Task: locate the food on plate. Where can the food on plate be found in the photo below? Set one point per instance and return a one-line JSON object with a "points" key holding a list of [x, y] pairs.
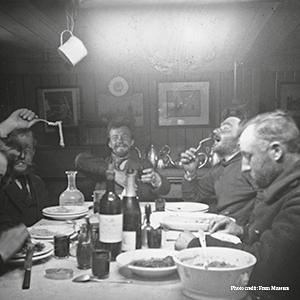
{"points": [[42, 232], [38, 248], [198, 261], [61, 209], [154, 262]]}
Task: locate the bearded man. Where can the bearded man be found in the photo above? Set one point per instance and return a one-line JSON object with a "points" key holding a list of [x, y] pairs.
{"points": [[150, 185], [270, 147], [224, 187]]}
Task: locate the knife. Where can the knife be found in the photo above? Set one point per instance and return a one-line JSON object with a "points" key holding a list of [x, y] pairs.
{"points": [[28, 265]]}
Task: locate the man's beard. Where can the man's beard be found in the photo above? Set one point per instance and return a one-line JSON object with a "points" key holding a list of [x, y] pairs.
{"points": [[225, 148], [29, 169], [267, 173], [122, 153]]}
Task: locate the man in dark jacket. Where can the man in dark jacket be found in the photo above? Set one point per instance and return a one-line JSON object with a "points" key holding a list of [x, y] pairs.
{"points": [[123, 156], [270, 147], [12, 234], [24, 195], [224, 187]]}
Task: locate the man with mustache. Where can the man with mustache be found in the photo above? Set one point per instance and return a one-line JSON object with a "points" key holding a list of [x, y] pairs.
{"points": [[224, 187], [12, 234], [270, 147], [24, 195], [123, 156]]}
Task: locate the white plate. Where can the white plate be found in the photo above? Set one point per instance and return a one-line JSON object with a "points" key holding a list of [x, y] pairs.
{"points": [[19, 261], [65, 210], [226, 237], [65, 217], [186, 207], [189, 221], [49, 231], [48, 248], [124, 259]]}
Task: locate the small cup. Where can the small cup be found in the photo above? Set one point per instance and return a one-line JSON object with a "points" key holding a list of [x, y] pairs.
{"points": [[72, 50], [154, 238], [100, 263], [160, 204], [61, 246]]}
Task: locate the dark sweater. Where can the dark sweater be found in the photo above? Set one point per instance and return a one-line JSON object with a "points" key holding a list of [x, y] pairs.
{"points": [[273, 236], [225, 188]]}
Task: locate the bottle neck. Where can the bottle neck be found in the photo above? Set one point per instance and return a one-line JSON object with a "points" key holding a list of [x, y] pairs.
{"points": [[130, 187], [72, 180], [110, 185]]}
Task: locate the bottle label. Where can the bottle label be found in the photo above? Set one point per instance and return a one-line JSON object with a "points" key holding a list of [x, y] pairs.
{"points": [[110, 228], [129, 240]]}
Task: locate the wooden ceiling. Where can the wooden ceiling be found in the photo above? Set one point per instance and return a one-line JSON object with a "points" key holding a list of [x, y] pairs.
{"points": [[30, 29]]}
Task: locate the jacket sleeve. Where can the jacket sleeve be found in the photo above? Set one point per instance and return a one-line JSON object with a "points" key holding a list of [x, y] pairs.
{"points": [[199, 190], [277, 248], [90, 165]]}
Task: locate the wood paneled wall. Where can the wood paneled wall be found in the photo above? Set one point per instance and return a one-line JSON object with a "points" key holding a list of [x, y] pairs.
{"points": [[19, 90], [270, 87]]}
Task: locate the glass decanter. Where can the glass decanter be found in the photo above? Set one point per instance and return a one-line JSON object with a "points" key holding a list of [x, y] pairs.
{"points": [[71, 196]]}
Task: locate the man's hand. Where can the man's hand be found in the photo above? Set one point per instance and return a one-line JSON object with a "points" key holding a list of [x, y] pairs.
{"points": [[20, 118], [183, 240], [152, 177], [189, 160], [226, 225], [11, 240]]}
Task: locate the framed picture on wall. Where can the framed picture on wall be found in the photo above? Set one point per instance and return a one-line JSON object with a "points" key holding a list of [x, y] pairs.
{"points": [[183, 103], [290, 98], [59, 104]]}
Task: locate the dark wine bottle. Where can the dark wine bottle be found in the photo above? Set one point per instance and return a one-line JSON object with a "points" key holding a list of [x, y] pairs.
{"points": [[110, 217], [131, 216]]}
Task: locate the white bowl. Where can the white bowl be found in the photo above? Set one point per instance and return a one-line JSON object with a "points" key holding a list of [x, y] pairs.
{"points": [[124, 259], [215, 283]]}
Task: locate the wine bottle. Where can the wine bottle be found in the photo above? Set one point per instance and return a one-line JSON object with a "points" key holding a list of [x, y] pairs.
{"points": [[110, 217], [131, 216]]}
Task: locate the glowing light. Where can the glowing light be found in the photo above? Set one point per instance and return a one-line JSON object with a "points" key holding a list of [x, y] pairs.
{"points": [[165, 39]]}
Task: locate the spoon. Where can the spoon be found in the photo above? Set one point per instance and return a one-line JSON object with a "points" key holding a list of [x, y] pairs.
{"points": [[202, 240], [87, 277]]}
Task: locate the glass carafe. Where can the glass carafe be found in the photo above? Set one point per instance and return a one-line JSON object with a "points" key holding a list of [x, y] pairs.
{"points": [[71, 196]]}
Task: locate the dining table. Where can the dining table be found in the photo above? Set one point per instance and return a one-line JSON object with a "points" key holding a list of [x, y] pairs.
{"points": [[42, 287]]}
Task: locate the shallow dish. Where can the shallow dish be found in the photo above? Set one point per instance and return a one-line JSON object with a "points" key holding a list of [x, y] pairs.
{"points": [[47, 232], [37, 255], [65, 217], [124, 260], [19, 261], [214, 282], [189, 221], [226, 237], [65, 210], [186, 207]]}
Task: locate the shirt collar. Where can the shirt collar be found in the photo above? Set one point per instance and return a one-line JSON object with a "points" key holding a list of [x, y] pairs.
{"points": [[226, 161]]}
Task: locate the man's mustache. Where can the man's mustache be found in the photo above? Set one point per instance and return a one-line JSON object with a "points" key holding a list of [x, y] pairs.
{"points": [[28, 164]]}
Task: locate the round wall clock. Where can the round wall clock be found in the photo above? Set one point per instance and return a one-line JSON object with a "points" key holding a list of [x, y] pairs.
{"points": [[118, 86]]}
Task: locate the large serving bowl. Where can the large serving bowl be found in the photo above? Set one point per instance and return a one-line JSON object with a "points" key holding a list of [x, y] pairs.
{"points": [[214, 282]]}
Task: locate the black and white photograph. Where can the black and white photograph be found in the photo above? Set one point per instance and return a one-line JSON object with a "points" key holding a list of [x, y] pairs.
{"points": [[150, 149]]}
